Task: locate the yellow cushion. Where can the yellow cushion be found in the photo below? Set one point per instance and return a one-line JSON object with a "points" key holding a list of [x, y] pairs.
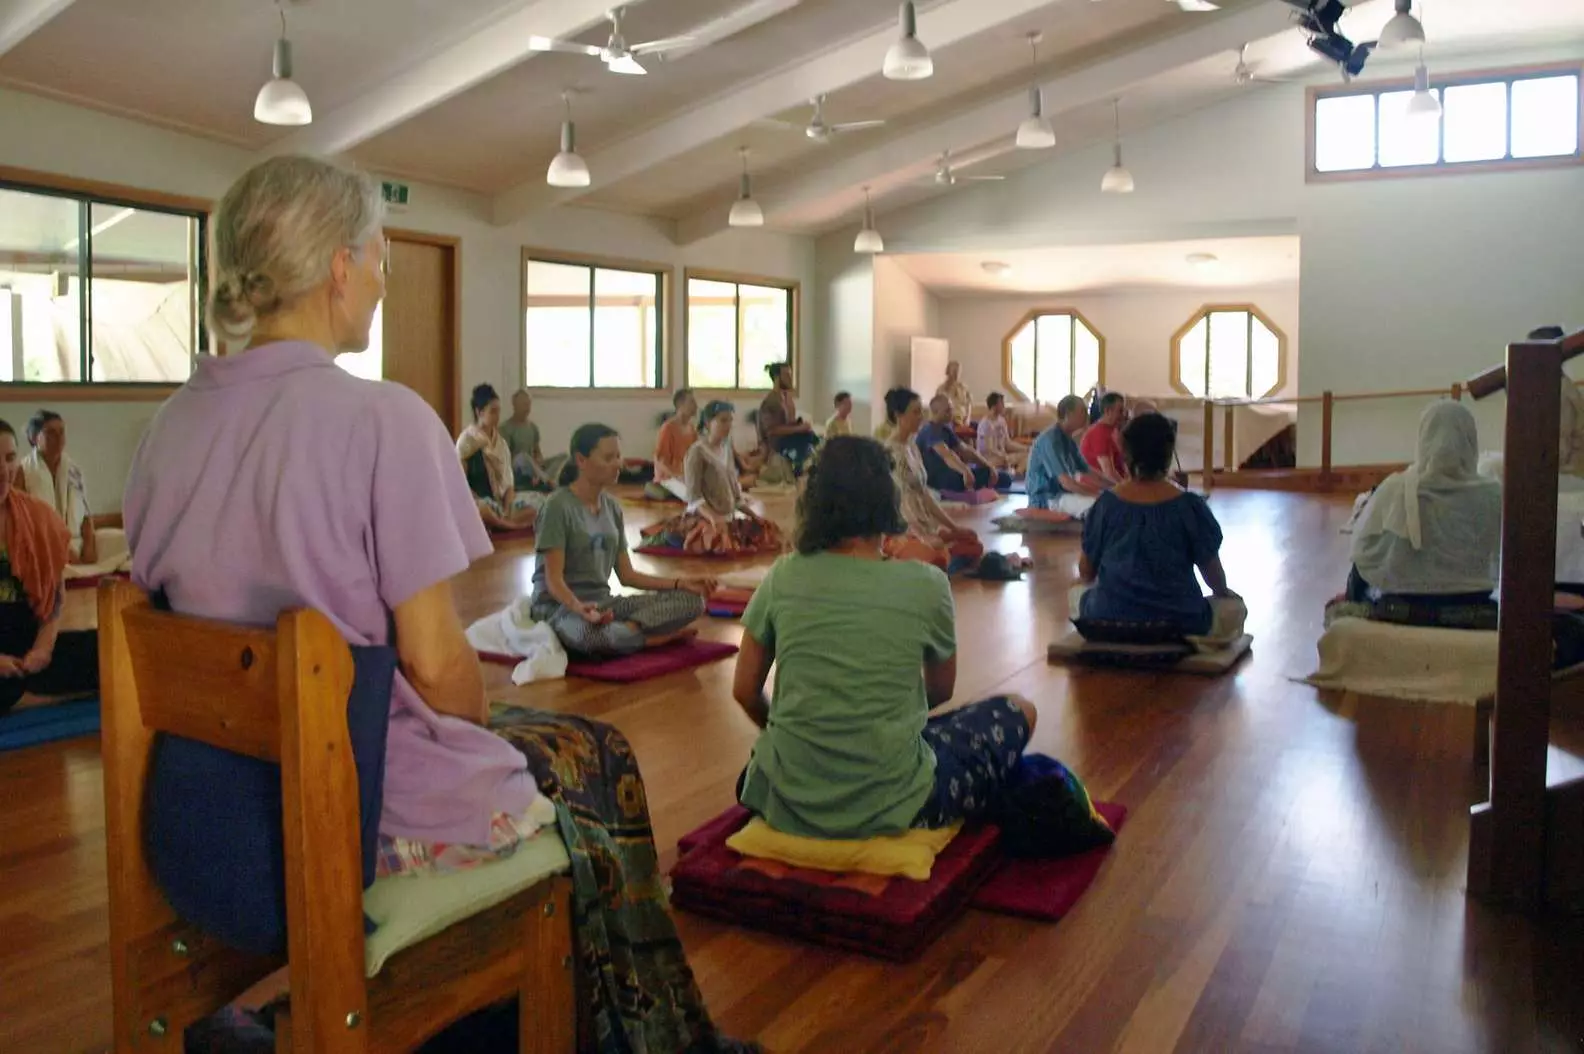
{"points": [[911, 854], [409, 909]]}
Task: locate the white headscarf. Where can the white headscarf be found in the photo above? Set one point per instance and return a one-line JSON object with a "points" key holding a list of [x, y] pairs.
{"points": [[1434, 527]]}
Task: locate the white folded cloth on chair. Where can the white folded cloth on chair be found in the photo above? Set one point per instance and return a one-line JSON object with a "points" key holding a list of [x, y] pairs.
{"points": [[113, 555], [1407, 662], [513, 631]]}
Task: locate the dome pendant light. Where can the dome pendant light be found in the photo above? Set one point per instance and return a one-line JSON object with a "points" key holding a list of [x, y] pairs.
{"points": [[1403, 29], [567, 169], [282, 101], [1423, 104], [1118, 180], [745, 211], [868, 240], [1035, 133], [908, 59]]}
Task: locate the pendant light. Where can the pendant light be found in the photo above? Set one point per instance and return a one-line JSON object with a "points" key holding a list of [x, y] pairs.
{"points": [[908, 59], [1403, 29], [868, 240], [745, 211], [567, 169], [1424, 103], [1118, 180], [282, 101], [1035, 133]]}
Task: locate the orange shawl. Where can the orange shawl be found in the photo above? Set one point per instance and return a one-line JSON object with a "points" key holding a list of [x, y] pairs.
{"points": [[39, 547]]}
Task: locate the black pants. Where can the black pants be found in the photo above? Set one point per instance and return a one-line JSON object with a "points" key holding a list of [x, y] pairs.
{"points": [[1360, 591], [73, 670], [943, 478]]}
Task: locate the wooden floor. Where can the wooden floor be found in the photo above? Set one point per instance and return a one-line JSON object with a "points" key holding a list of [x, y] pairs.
{"points": [[1291, 877]]}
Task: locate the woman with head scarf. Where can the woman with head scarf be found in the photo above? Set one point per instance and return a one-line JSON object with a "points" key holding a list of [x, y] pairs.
{"points": [[1432, 531]]}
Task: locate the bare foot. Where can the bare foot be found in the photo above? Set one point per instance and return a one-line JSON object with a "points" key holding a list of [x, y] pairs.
{"points": [[671, 638]]}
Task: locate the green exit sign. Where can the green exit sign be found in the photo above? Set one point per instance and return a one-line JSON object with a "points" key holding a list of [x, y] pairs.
{"points": [[395, 193]]}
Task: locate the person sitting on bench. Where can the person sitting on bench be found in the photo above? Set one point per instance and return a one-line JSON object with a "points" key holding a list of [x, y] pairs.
{"points": [[949, 463], [1143, 539], [487, 460], [863, 648], [582, 539], [1430, 534], [1058, 475]]}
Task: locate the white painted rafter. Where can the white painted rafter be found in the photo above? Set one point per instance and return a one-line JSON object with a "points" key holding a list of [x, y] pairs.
{"points": [[856, 60], [491, 49], [20, 19], [989, 125]]}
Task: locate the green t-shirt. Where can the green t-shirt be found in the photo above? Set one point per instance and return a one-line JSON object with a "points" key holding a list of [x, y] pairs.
{"points": [[591, 543], [520, 438], [844, 755]]}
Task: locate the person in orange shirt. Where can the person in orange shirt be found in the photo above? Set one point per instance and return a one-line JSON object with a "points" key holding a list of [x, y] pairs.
{"points": [[677, 436]]}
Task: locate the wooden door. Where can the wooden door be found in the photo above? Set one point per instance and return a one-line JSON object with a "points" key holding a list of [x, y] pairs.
{"points": [[420, 326]]}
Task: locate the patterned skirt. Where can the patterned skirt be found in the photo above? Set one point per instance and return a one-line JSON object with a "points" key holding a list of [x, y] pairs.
{"points": [[743, 535]]}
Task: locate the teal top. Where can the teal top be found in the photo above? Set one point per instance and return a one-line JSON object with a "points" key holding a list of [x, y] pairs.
{"points": [[844, 754]]}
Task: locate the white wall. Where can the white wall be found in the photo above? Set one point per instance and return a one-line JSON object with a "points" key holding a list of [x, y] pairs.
{"points": [[847, 304], [1405, 283], [903, 309], [1137, 324], [52, 137]]}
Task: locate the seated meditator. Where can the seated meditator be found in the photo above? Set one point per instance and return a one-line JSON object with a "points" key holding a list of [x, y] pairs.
{"points": [[35, 655], [1058, 476], [961, 398], [582, 539], [314, 489], [533, 471], [863, 649], [887, 426], [1570, 424], [949, 463], [840, 422], [1102, 443], [1430, 534], [718, 519], [487, 460], [781, 430], [931, 535], [1143, 539], [678, 433], [49, 474], [995, 442]]}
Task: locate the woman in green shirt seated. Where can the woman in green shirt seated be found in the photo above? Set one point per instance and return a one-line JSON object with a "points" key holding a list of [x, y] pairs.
{"points": [[863, 648]]}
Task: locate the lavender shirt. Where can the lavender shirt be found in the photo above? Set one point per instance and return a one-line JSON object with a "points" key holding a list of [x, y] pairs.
{"points": [[275, 480]]}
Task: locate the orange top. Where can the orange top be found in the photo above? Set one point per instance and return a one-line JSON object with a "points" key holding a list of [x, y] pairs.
{"points": [[37, 543], [676, 439]]}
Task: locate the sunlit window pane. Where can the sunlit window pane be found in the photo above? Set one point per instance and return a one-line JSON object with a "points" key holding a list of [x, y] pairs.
{"points": [[1193, 357], [624, 330], [1476, 122], [142, 291], [1264, 360], [1345, 133], [766, 328], [369, 363], [1229, 354], [1086, 357], [735, 331], [592, 326], [1405, 138], [1021, 355], [557, 325], [1545, 117], [1053, 357]]}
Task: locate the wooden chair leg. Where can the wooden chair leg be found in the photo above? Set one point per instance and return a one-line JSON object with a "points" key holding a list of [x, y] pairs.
{"points": [[547, 1000]]}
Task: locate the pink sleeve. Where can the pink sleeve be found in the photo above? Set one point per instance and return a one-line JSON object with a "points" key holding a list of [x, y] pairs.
{"points": [[425, 522]]}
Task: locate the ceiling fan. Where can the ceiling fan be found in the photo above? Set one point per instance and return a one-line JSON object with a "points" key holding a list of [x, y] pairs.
{"points": [[618, 55], [819, 129], [946, 176], [1247, 72]]}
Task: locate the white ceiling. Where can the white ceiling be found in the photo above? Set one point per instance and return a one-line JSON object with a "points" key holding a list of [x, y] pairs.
{"points": [[1240, 263], [446, 91]]}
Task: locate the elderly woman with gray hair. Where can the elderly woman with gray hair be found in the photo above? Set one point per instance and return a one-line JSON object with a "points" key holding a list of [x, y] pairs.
{"points": [[718, 520]]}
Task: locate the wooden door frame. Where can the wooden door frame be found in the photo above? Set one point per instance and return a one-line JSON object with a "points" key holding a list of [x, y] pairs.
{"points": [[452, 243]]}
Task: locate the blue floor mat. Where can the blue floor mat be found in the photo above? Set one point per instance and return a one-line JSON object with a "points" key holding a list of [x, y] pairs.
{"points": [[46, 724]]}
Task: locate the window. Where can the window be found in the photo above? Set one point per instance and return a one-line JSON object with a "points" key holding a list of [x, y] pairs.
{"points": [[98, 290], [1052, 354], [590, 325], [370, 362], [1519, 119], [737, 328], [1229, 353]]}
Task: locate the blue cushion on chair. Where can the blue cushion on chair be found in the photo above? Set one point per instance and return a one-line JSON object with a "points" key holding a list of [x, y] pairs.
{"points": [[213, 829]]}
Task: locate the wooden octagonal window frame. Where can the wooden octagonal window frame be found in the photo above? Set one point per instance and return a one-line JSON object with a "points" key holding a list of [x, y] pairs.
{"points": [[1031, 318], [1254, 312]]}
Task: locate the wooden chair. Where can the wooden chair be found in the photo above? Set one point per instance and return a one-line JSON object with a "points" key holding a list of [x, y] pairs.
{"points": [[281, 696]]}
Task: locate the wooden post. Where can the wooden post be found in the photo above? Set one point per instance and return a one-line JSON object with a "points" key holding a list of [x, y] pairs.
{"points": [[1209, 446], [1327, 404], [1506, 861], [1229, 451]]}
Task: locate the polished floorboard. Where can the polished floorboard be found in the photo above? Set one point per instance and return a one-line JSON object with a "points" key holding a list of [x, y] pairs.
{"points": [[1290, 878]]}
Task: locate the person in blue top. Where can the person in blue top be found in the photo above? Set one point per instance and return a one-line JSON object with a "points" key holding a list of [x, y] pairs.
{"points": [[1058, 475], [949, 463], [1143, 540]]}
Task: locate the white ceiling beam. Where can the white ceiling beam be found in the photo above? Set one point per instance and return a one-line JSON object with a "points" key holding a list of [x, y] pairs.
{"points": [[488, 51], [20, 19], [857, 60], [914, 154]]}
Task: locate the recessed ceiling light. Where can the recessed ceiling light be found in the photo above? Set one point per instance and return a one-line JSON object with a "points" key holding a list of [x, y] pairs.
{"points": [[996, 267], [1202, 259]]}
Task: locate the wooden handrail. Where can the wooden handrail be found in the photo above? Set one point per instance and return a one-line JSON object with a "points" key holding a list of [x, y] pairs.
{"points": [[1494, 379]]}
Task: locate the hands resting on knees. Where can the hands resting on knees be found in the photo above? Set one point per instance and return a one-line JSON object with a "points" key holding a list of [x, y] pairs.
{"points": [[35, 661]]}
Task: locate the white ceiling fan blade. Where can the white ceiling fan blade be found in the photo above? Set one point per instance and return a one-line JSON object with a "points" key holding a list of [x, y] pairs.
{"points": [[1196, 6], [983, 179], [654, 47], [780, 125], [625, 64], [853, 126], [564, 46]]}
